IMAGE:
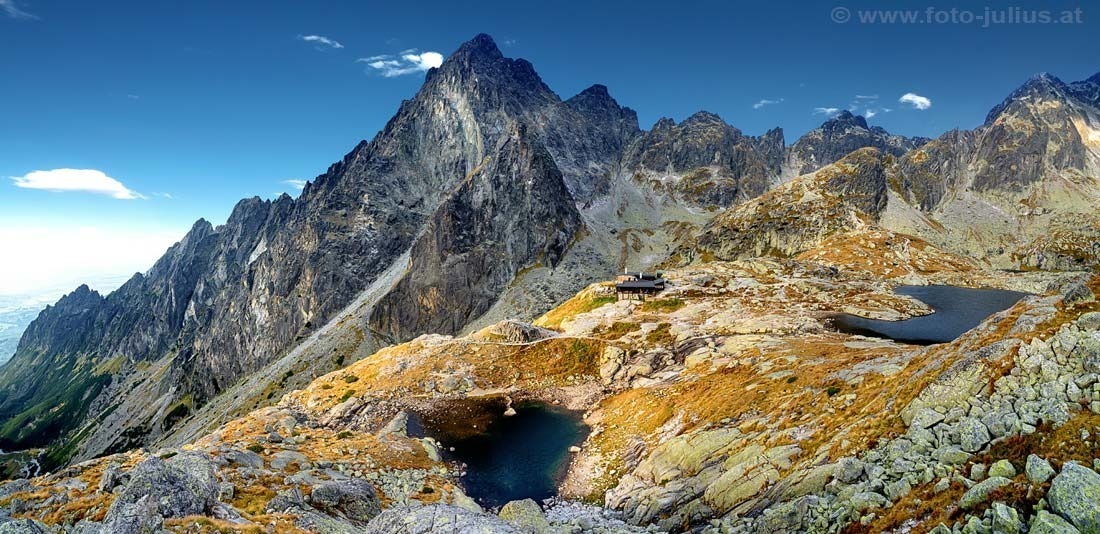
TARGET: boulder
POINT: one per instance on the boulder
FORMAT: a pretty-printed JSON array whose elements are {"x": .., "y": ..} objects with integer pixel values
[
  {"x": 1089, "y": 321},
  {"x": 848, "y": 470},
  {"x": 1002, "y": 468},
  {"x": 1088, "y": 347},
  {"x": 142, "y": 516},
  {"x": 1006, "y": 520},
  {"x": 951, "y": 455},
  {"x": 866, "y": 500},
  {"x": 397, "y": 426},
  {"x": 978, "y": 472},
  {"x": 22, "y": 526},
  {"x": 1074, "y": 494},
  {"x": 526, "y": 516},
  {"x": 111, "y": 478},
  {"x": 926, "y": 418},
  {"x": 1038, "y": 470},
  {"x": 437, "y": 518},
  {"x": 897, "y": 489},
  {"x": 187, "y": 484},
  {"x": 1045, "y": 522},
  {"x": 308, "y": 519},
  {"x": 15, "y": 486},
  {"x": 979, "y": 493},
  {"x": 973, "y": 434},
  {"x": 354, "y": 499},
  {"x": 245, "y": 458},
  {"x": 284, "y": 459}
]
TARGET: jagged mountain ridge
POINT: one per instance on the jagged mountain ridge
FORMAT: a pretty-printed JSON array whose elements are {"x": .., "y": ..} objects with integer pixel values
[
  {"x": 225, "y": 303},
  {"x": 840, "y": 136},
  {"x": 1018, "y": 191},
  {"x": 225, "y": 300}
]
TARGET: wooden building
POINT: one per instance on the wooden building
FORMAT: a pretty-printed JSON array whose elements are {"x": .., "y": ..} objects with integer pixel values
[{"x": 638, "y": 285}]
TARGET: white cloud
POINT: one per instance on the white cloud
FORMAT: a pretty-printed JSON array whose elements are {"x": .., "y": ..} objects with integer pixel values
[
  {"x": 866, "y": 97},
  {"x": 295, "y": 183},
  {"x": 917, "y": 101},
  {"x": 12, "y": 10},
  {"x": 320, "y": 39},
  {"x": 407, "y": 62},
  {"x": 826, "y": 111},
  {"x": 82, "y": 180},
  {"x": 870, "y": 113},
  {"x": 765, "y": 102},
  {"x": 66, "y": 256}
]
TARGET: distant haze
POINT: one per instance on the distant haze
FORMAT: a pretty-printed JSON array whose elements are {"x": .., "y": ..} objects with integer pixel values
[{"x": 18, "y": 310}]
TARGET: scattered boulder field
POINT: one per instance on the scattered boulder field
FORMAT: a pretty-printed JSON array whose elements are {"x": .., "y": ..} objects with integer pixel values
[{"x": 726, "y": 403}]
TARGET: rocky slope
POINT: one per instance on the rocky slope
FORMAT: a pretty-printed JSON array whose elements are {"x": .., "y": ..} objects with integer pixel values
[
  {"x": 1022, "y": 186},
  {"x": 726, "y": 403},
  {"x": 1018, "y": 192},
  {"x": 506, "y": 198},
  {"x": 705, "y": 160}
]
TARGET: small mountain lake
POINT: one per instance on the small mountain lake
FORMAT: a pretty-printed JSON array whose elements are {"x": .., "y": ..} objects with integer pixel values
[
  {"x": 522, "y": 456},
  {"x": 956, "y": 310}
]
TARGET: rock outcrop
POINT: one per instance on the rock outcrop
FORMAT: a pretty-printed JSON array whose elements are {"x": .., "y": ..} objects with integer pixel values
[{"x": 839, "y": 136}]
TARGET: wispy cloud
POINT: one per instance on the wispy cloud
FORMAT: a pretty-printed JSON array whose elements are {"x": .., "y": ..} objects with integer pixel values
[
  {"x": 826, "y": 111},
  {"x": 766, "y": 102},
  {"x": 76, "y": 180},
  {"x": 165, "y": 195},
  {"x": 866, "y": 97},
  {"x": 12, "y": 10},
  {"x": 917, "y": 101},
  {"x": 405, "y": 62},
  {"x": 296, "y": 183},
  {"x": 870, "y": 113},
  {"x": 318, "y": 39}
]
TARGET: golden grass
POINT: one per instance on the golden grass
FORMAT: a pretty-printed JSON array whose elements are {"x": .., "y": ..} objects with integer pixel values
[{"x": 583, "y": 302}]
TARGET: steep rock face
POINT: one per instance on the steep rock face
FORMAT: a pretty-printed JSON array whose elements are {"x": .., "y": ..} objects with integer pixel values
[
  {"x": 225, "y": 301},
  {"x": 840, "y": 136},
  {"x": 586, "y": 135},
  {"x": 1019, "y": 190},
  {"x": 704, "y": 160},
  {"x": 799, "y": 214},
  {"x": 513, "y": 211},
  {"x": 1030, "y": 132},
  {"x": 930, "y": 172}
]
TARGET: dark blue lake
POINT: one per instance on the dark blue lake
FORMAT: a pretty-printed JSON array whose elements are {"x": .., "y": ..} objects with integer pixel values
[
  {"x": 957, "y": 309},
  {"x": 507, "y": 458}
]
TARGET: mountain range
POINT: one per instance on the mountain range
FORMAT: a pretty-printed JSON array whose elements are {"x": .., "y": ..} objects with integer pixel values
[{"x": 487, "y": 197}]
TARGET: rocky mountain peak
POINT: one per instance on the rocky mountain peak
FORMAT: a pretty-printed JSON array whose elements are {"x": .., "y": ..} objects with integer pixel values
[
  {"x": 704, "y": 118},
  {"x": 663, "y": 124},
  {"x": 480, "y": 48},
  {"x": 80, "y": 297},
  {"x": 597, "y": 101},
  {"x": 597, "y": 90},
  {"x": 1088, "y": 90},
  {"x": 839, "y": 136},
  {"x": 1042, "y": 86},
  {"x": 845, "y": 119}
]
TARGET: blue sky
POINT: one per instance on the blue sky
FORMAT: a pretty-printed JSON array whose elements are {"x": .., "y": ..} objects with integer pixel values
[{"x": 190, "y": 106}]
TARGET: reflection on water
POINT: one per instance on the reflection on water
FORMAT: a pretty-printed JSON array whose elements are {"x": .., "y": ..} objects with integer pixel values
[{"x": 957, "y": 309}]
